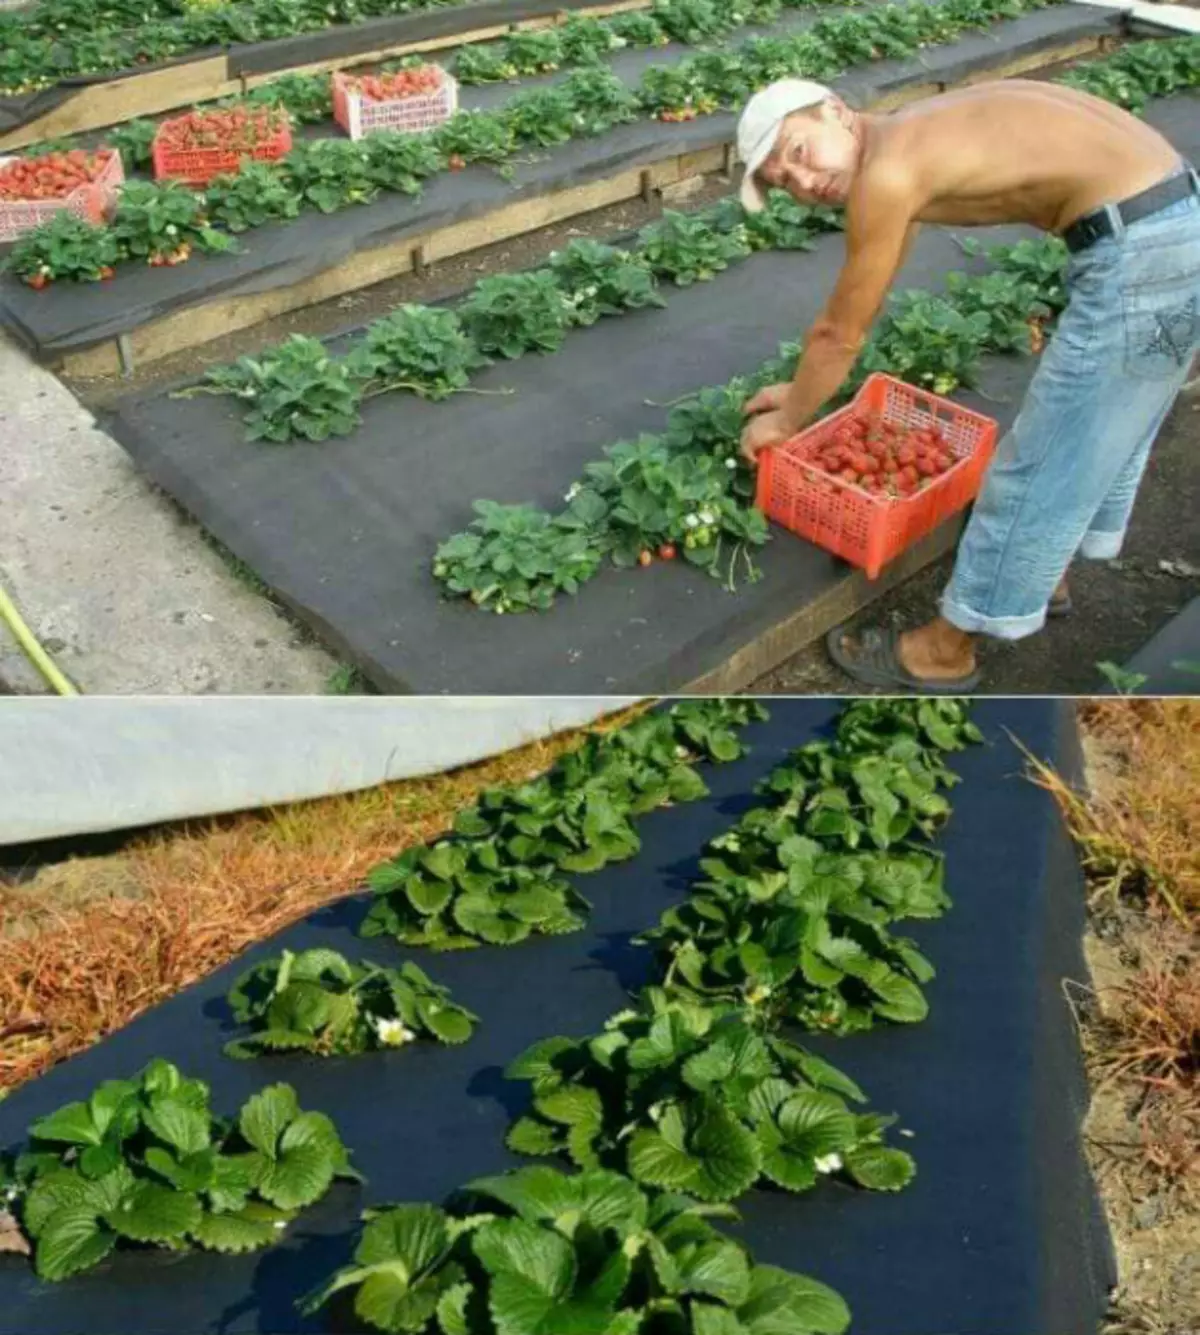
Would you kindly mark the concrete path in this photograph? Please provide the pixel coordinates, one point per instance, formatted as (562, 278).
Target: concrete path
(117, 583)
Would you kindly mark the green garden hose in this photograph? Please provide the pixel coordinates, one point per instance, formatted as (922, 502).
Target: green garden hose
(32, 649)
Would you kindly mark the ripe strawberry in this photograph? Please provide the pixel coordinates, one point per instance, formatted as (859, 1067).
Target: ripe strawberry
(667, 551)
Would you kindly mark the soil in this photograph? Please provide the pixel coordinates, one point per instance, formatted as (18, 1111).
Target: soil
(1119, 605)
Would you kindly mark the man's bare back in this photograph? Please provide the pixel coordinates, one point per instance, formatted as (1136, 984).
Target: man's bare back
(1013, 151)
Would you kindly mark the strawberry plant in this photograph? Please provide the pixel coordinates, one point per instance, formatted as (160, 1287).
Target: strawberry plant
(65, 247)
(516, 558)
(145, 1161)
(537, 1252)
(134, 141)
(317, 1001)
(543, 117)
(163, 224)
(907, 729)
(295, 392)
(475, 136)
(602, 280)
(533, 52)
(638, 29)
(584, 41)
(656, 497)
(332, 173)
(681, 1097)
(253, 196)
(401, 162)
(499, 878)
(1009, 302)
(420, 348)
(694, 21)
(308, 98)
(688, 249)
(483, 64)
(925, 340)
(511, 314)
(1040, 264)
(600, 100)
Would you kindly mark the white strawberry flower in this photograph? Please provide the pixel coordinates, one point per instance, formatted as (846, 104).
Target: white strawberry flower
(731, 462)
(828, 1163)
(757, 995)
(691, 521)
(172, 230)
(281, 1224)
(573, 491)
(707, 517)
(393, 1033)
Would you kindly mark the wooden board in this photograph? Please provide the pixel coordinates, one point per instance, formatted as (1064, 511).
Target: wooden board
(809, 623)
(201, 324)
(146, 94)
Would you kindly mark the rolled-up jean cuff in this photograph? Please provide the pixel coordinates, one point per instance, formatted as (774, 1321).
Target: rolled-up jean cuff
(1102, 546)
(999, 628)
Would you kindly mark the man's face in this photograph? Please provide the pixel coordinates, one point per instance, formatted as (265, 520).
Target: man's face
(815, 156)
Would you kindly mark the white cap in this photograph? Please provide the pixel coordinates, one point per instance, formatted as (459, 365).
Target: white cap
(759, 126)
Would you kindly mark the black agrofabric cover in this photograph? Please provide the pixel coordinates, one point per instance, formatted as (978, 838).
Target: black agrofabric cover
(999, 1234)
(1170, 661)
(69, 317)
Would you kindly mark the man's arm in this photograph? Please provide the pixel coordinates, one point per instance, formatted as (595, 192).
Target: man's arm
(879, 233)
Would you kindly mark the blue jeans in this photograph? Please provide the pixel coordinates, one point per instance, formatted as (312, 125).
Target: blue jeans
(1063, 480)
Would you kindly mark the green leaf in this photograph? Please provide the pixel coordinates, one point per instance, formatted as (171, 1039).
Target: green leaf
(233, 1233)
(718, 1269)
(73, 1124)
(816, 1124)
(387, 1301)
(710, 1320)
(153, 1213)
(449, 1023)
(573, 1105)
(529, 1136)
(71, 1240)
(531, 1268)
(416, 1235)
(879, 1168)
(782, 1303)
(265, 1115)
(179, 1124)
(309, 1157)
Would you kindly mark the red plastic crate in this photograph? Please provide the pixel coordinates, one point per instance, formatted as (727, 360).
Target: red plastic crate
(200, 165)
(359, 116)
(863, 527)
(93, 202)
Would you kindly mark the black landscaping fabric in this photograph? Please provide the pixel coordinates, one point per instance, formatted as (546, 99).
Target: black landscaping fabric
(69, 317)
(999, 1234)
(345, 531)
(1170, 661)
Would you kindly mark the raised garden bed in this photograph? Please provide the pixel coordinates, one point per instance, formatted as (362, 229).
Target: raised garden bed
(999, 1231)
(282, 266)
(358, 568)
(83, 102)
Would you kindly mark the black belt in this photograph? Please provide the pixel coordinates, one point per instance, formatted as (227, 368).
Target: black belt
(1095, 226)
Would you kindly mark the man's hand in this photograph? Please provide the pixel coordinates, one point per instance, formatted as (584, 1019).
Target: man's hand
(768, 399)
(765, 431)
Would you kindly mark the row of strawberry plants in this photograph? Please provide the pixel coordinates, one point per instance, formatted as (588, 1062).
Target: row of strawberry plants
(694, 1088)
(332, 174)
(298, 391)
(717, 1099)
(145, 1161)
(706, 1099)
(687, 490)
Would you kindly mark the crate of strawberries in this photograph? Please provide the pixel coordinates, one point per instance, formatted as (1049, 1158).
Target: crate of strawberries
(34, 189)
(418, 97)
(868, 481)
(204, 144)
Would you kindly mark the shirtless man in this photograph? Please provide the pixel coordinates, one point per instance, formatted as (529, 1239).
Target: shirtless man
(1063, 480)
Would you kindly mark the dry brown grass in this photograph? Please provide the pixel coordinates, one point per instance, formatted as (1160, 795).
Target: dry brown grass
(194, 896)
(1139, 830)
